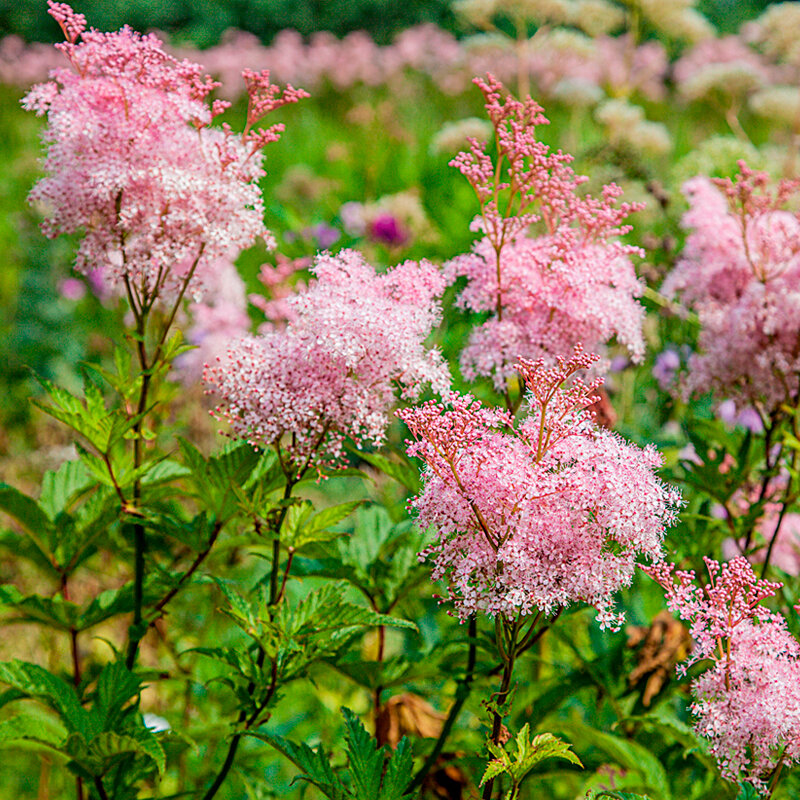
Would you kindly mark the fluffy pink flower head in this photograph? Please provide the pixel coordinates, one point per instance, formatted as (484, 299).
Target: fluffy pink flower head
(572, 283)
(535, 515)
(740, 271)
(747, 703)
(331, 373)
(133, 162)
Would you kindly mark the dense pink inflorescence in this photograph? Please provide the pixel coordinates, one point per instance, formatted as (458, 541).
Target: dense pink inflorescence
(740, 270)
(748, 702)
(541, 513)
(573, 283)
(134, 163)
(331, 372)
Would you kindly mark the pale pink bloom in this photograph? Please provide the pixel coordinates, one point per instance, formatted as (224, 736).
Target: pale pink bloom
(331, 374)
(739, 271)
(281, 282)
(573, 283)
(747, 703)
(534, 515)
(72, 288)
(133, 162)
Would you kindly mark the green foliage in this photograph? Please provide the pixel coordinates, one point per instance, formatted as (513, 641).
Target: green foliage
(629, 754)
(371, 773)
(529, 752)
(379, 558)
(107, 737)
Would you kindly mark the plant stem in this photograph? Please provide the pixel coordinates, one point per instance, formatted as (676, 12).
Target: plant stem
(275, 596)
(101, 790)
(379, 688)
(462, 693)
(510, 654)
(139, 541)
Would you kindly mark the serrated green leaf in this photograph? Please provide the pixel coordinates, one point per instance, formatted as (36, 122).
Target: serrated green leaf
(398, 773)
(301, 529)
(36, 682)
(95, 755)
(59, 487)
(116, 685)
(493, 769)
(314, 764)
(54, 612)
(164, 471)
(238, 608)
(26, 511)
(365, 760)
(32, 727)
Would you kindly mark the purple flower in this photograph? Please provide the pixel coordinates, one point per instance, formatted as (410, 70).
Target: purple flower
(386, 229)
(666, 366)
(326, 235)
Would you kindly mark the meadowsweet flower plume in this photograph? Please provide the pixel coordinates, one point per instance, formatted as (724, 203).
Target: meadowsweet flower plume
(537, 514)
(134, 162)
(747, 703)
(331, 373)
(739, 271)
(571, 281)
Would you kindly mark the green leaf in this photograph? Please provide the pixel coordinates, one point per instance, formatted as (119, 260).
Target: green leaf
(627, 753)
(398, 772)
(32, 727)
(54, 612)
(366, 761)
(97, 755)
(372, 773)
(36, 682)
(401, 469)
(61, 486)
(316, 768)
(26, 511)
(528, 754)
(116, 685)
(301, 529)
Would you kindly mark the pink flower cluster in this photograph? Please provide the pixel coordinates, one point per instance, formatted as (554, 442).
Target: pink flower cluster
(748, 702)
(739, 270)
(331, 372)
(135, 164)
(613, 63)
(538, 514)
(573, 283)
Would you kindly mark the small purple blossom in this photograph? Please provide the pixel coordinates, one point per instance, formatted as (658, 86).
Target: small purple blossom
(666, 367)
(386, 229)
(326, 235)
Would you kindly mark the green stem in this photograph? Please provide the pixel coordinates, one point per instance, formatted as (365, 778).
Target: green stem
(101, 790)
(275, 596)
(462, 693)
(512, 631)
